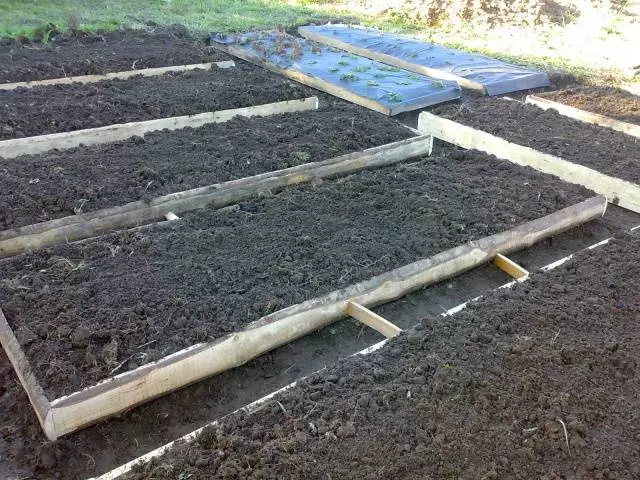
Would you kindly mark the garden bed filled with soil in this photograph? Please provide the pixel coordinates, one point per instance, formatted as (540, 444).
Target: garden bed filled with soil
(56, 184)
(602, 149)
(62, 108)
(607, 101)
(537, 381)
(102, 52)
(81, 310)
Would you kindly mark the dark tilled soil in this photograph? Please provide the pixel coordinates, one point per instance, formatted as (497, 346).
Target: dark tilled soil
(56, 184)
(605, 150)
(611, 102)
(63, 108)
(539, 381)
(102, 52)
(94, 450)
(80, 310)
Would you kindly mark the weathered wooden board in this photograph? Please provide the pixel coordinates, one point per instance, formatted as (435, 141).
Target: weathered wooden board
(124, 391)
(90, 224)
(113, 133)
(584, 116)
(144, 72)
(617, 191)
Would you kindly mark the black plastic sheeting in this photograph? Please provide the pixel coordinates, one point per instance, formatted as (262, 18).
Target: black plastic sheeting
(474, 71)
(395, 89)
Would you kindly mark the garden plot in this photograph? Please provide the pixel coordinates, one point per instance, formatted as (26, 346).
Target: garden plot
(608, 107)
(599, 158)
(541, 378)
(100, 53)
(372, 84)
(57, 184)
(604, 150)
(64, 108)
(611, 102)
(470, 70)
(194, 281)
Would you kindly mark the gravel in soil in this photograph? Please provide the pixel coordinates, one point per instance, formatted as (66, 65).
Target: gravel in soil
(62, 108)
(81, 310)
(537, 381)
(602, 149)
(57, 184)
(607, 101)
(102, 52)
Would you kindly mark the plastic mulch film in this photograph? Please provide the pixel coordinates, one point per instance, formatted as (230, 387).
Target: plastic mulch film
(375, 85)
(468, 69)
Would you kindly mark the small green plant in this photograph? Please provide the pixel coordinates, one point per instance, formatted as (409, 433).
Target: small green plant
(361, 68)
(344, 63)
(312, 62)
(379, 75)
(371, 83)
(437, 84)
(301, 156)
(334, 69)
(388, 68)
(349, 77)
(414, 77)
(394, 97)
(413, 54)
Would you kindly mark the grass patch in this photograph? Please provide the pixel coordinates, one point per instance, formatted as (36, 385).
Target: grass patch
(25, 17)
(40, 19)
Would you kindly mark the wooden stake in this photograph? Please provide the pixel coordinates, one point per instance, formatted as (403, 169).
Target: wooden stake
(510, 267)
(90, 224)
(25, 374)
(619, 192)
(584, 116)
(145, 72)
(124, 391)
(373, 320)
(113, 133)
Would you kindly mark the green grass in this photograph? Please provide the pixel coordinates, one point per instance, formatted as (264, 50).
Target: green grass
(35, 18)
(26, 17)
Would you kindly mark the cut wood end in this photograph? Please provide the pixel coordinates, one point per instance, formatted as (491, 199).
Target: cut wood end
(510, 267)
(48, 426)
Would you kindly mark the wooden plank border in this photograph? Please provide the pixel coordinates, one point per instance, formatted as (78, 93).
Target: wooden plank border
(121, 131)
(617, 191)
(122, 392)
(25, 374)
(250, 408)
(144, 72)
(584, 116)
(91, 224)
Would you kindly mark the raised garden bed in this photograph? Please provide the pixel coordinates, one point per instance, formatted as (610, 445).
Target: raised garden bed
(611, 102)
(102, 52)
(62, 108)
(607, 151)
(56, 184)
(383, 88)
(537, 381)
(99, 303)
